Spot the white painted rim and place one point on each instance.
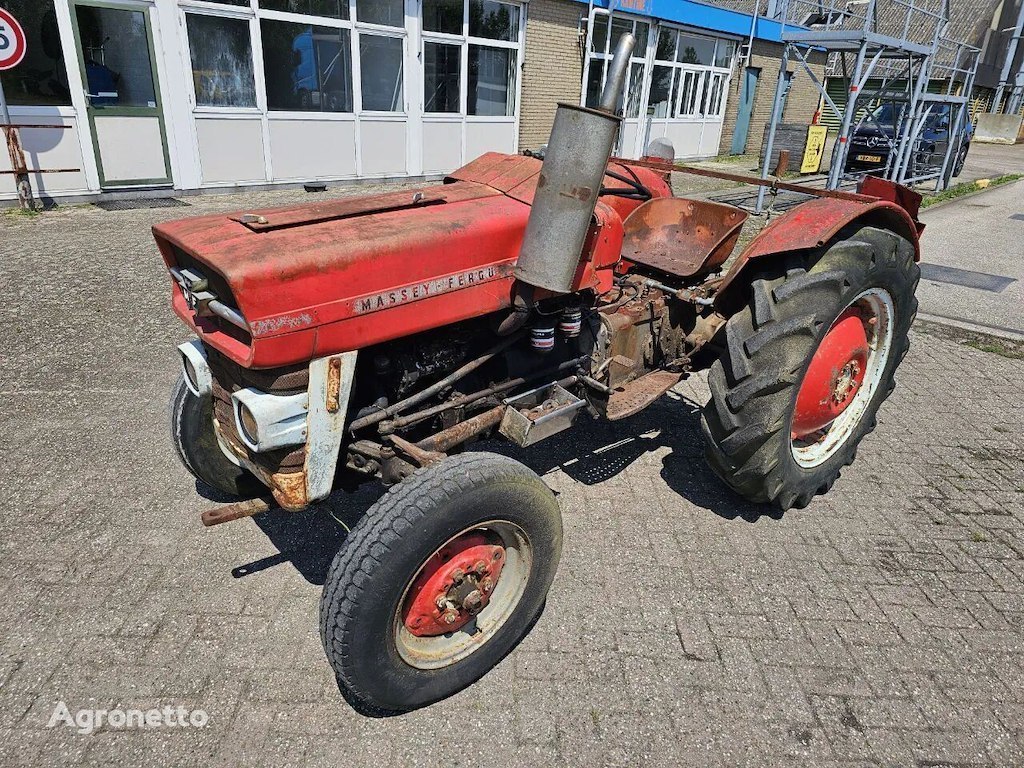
(444, 650)
(879, 303)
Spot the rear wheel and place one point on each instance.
(440, 579)
(196, 445)
(807, 365)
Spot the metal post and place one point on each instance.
(835, 172)
(907, 137)
(1016, 95)
(17, 154)
(1011, 52)
(776, 117)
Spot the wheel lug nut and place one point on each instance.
(487, 585)
(441, 602)
(450, 617)
(458, 575)
(480, 567)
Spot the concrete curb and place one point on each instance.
(968, 196)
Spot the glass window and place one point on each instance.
(600, 34)
(620, 26)
(633, 92)
(713, 95)
(695, 50)
(335, 9)
(115, 47)
(492, 82)
(41, 78)
(307, 68)
(594, 78)
(389, 13)
(494, 21)
(661, 87)
(641, 32)
(380, 70)
(221, 61)
(443, 16)
(666, 45)
(690, 91)
(441, 69)
(724, 54)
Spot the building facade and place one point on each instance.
(197, 94)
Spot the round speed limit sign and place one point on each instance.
(12, 41)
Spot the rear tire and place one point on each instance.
(196, 444)
(749, 422)
(368, 630)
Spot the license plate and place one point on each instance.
(869, 158)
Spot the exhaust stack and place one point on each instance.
(570, 180)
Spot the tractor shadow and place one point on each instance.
(600, 450)
(593, 452)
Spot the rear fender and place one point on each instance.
(810, 226)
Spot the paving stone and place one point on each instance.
(882, 625)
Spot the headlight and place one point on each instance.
(248, 424)
(266, 421)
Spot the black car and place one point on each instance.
(872, 140)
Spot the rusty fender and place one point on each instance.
(809, 226)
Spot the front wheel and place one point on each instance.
(961, 159)
(440, 579)
(196, 444)
(807, 365)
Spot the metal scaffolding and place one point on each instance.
(887, 52)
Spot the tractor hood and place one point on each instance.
(314, 279)
(274, 287)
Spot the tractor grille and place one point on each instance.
(218, 286)
(229, 377)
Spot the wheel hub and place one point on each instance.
(454, 586)
(834, 376)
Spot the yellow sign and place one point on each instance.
(814, 149)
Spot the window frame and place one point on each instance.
(704, 74)
(254, 14)
(240, 13)
(463, 41)
(605, 55)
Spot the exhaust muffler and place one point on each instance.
(569, 183)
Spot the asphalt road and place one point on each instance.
(986, 161)
(982, 238)
(881, 626)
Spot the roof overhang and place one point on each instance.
(698, 15)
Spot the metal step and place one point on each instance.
(636, 395)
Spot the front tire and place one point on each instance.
(440, 579)
(807, 365)
(961, 159)
(196, 444)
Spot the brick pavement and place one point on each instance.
(883, 625)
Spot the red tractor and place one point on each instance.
(373, 338)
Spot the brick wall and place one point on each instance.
(800, 105)
(552, 67)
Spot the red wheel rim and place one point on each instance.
(834, 376)
(463, 594)
(455, 584)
